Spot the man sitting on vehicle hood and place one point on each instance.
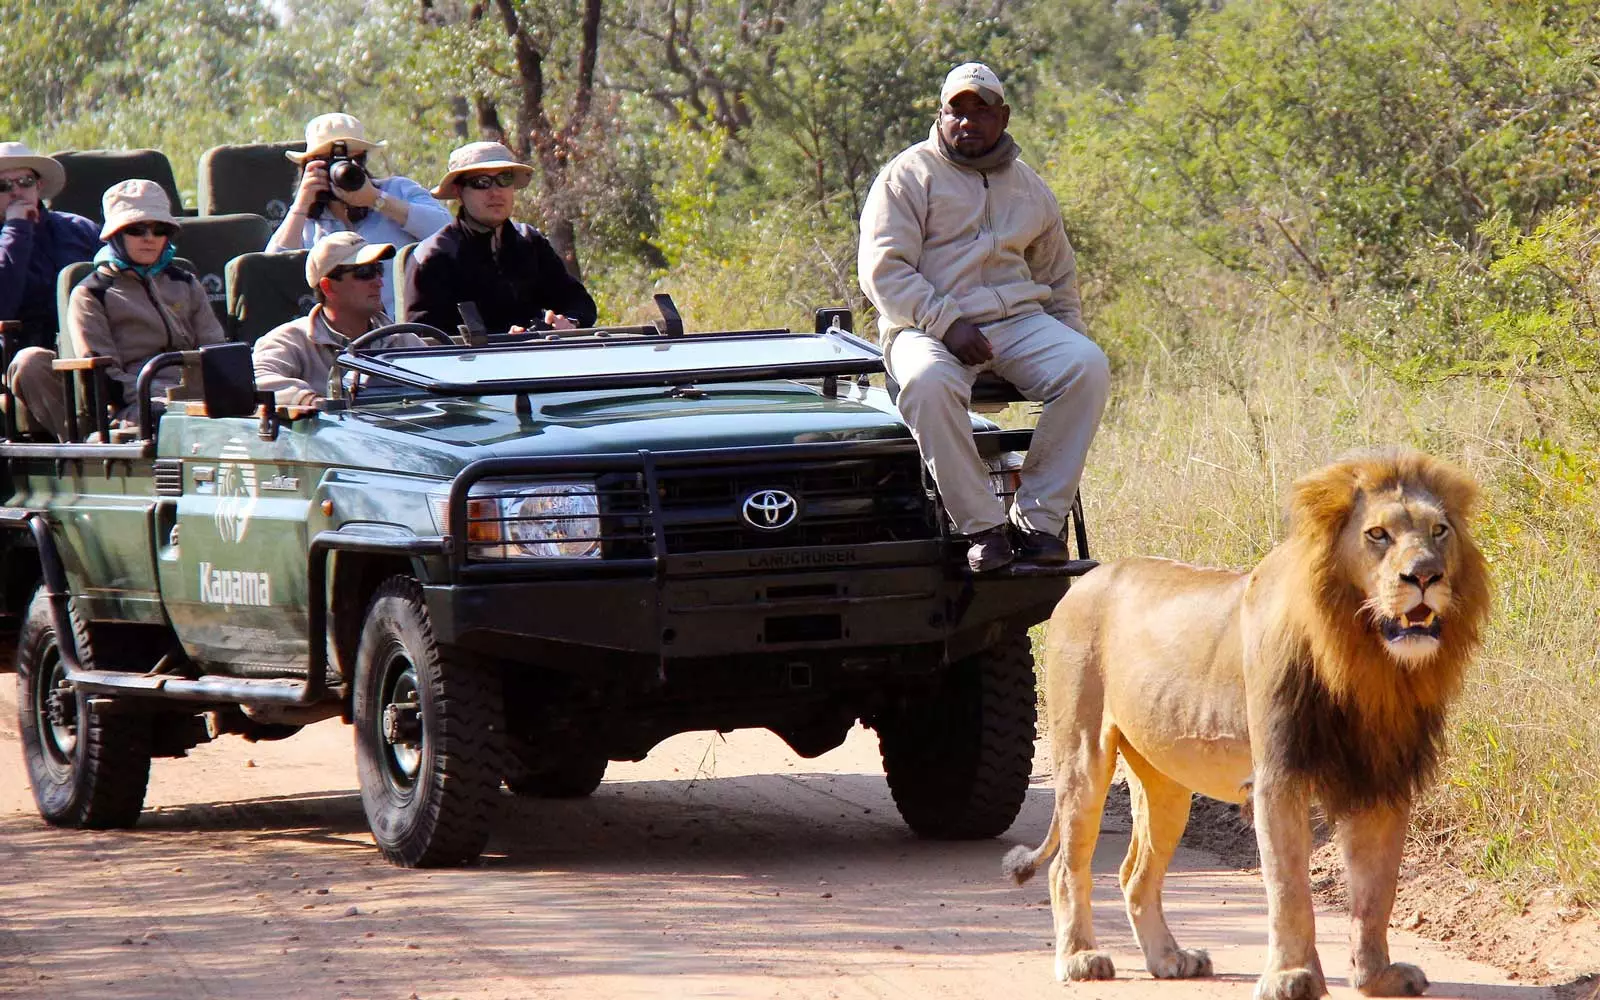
(345, 273)
(508, 269)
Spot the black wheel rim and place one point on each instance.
(58, 731)
(401, 736)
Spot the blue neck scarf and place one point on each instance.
(115, 253)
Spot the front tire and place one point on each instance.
(89, 768)
(958, 756)
(428, 728)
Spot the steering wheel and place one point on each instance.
(420, 329)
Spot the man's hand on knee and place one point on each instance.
(968, 343)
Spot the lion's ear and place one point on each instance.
(1322, 500)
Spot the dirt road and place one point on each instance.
(716, 868)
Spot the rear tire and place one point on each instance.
(428, 726)
(958, 756)
(572, 776)
(89, 768)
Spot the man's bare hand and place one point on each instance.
(363, 197)
(19, 209)
(968, 343)
(556, 321)
(312, 182)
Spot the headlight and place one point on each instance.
(537, 521)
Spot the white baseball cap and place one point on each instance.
(976, 77)
(339, 249)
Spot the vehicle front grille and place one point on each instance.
(844, 502)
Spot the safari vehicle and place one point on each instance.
(513, 559)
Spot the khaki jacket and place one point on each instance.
(116, 314)
(941, 242)
(293, 360)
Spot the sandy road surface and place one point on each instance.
(716, 868)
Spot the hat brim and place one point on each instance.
(52, 175)
(356, 146)
(989, 96)
(372, 253)
(449, 188)
(119, 221)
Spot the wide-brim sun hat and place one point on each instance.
(340, 249)
(325, 130)
(480, 158)
(130, 202)
(52, 176)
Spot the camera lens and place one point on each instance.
(346, 175)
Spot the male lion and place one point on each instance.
(1322, 675)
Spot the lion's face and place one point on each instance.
(1399, 547)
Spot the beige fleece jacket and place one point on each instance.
(941, 242)
(292, 361)
(118, 315)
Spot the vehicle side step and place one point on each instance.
(1072, 567)
(285, 691)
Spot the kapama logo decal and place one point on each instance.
(237, 491)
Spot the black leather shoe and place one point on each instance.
(1039, 547)
(990, 550)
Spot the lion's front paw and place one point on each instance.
(1291, 984)
(1397, 980)
(1085, 965)
(1182, 963)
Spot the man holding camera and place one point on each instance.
(507, 269)
(338, 194)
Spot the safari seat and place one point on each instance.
(91, 171)
(400, 264)
(211, 241)
(266, 290)
(253, 177)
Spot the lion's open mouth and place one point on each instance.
(1420, 622)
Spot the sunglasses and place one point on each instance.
(150, 229)
(23, 183)
(360, 272)
(483, 182)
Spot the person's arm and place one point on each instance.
(1053, 263)
(16, 250)
(91, 334)
(560, 291)
(429, 296)
(291, 233)
(410, 206)
(890, 253)
(278, 368)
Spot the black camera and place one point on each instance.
(345, 172)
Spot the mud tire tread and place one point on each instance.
(958, 758)
(447, 820)
(111, 773)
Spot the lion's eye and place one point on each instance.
(1378, 534)
(1440, 530)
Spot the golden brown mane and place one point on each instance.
(1392, 715)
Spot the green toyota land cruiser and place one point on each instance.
(511, 559)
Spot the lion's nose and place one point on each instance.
(1422, 577)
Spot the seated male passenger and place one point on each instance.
(134, 305)
(507, 268)
(345, 273)
(35, 242)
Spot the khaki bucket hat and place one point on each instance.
(52, 176)
(480, 158)
(325, 130)
(134, 201)
(339, 249)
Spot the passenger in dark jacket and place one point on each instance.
(36, 243)
(506, 268)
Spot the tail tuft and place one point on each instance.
(1020, 863)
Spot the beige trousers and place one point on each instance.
(36, 385)
(1048, 362)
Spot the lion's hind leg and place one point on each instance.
(1160, 813)
(1082, 781)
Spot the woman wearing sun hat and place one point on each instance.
(394, 210)
(134, 305)
(507, 268)
(35, 243)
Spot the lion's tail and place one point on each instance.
(1020, 863)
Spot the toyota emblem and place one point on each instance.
(770, 510)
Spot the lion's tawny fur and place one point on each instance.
(1313, 677)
